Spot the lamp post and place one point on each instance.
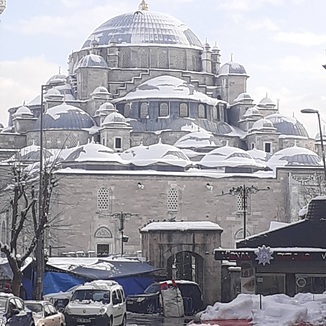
(40, 241)
(244, 192)
(309, 110)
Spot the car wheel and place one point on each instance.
(124, 321)
(151, 308)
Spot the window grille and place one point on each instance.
(104, 199)
(173, 200)
(240, 203)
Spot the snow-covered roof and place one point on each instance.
(287, 125)
(181, 226)
(144, 28)
(228, 156)
(93, 152)
(294, 156)
(101, 91)
(263, 125)
(115, 118)
(29, 154)
(198, 139)
(23, 111)
(259, 155)
(266, 101)
(252, 112)
(244, 97)
(158, 153)
(167, 87)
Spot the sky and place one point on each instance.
(281, 44)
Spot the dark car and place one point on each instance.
(149, 302)
(13, 312)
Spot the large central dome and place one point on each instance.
(143, 27)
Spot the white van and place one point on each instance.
(97, 303)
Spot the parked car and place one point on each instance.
(13, 312)
(150, 301)
(45, 314)
(97, 303)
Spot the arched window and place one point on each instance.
(144, 110)
(164, 109)
(184, 110)
(201, 111)
(126, 111)
(3, 232)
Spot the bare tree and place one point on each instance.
(23, 206)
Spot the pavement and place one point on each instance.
(155, 319)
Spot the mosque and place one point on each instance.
(150, 125)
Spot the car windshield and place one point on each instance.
(153, 288)
(35, 307)
(3, 302)
(94, 295)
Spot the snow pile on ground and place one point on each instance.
(278, 309)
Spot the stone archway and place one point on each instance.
(188, 243)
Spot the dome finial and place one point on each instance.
(231, 57)
(143, 6)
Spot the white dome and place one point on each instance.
(294, 156)
(197, 139)
(107, 106)
(243, 97)
(252, 112)
(101, 91)
(23, 111)
(92, 61)
(263, 124)
(232, 68)
(114, 117)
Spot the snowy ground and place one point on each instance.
(278, 309)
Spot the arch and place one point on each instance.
(103, 232)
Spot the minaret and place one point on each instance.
(2, 6)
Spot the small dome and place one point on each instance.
(107, 106)
(23, 111)
(92, 60)
(57, 79)
(252, 112)
(114, 117)
(232, 68)
(66, 117)
(263, 124)
(53, 93)
(30, 154)
(288, 126)
(294, 156)
(243, 97)
(266, 101)
(101, 91)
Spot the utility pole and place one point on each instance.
(244, 192)
(121, 216)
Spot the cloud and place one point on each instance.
(248, 5)
(301, 38)
(264, 24)
(20, 81)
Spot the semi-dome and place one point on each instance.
(66, 117)
(294, 156)
(288, 126)
(232, 68)
(92, 60)
(143, 27)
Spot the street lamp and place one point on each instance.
(309, 110)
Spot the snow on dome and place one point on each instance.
(57, 79)
(289, 126)
(263, 125)
(30, 154)
(23, 111)
(107, 106)
(181, 226)
(228, 156)
(167, 87)
(114, 117)
(93, 152)
(266, 101)
(243, 97)
(66, 117)
(53, 93)
(158, 153)
(143, 28)
(252, 112)
(294, 156)
(101, 91)
(92, 60)
(232, 68)
(197, 139)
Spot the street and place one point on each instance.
(157, 320)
